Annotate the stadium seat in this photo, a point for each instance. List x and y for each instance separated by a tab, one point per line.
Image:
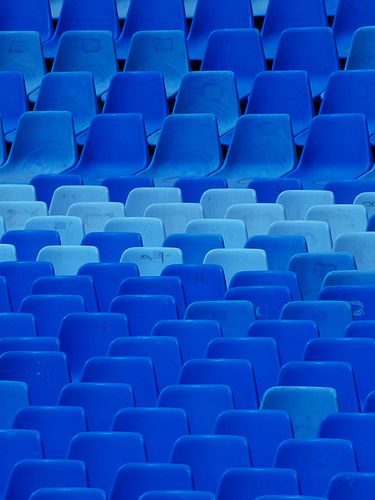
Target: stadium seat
265	278
15	213
64	196
69	421
8	252
279	249
367	200
13	396
13	100
70	229
233	232
112	245
162	51
150	229
175	216
67	259
361	52
95	215
361	329
17	325
29	344
101	401
215	202
178	495
152	260
120	187
316	233
296	203
347	191
269	189
28	243
194	246
69	494
139	199
360	245
17	192
351	485
192	188
359	297
23	16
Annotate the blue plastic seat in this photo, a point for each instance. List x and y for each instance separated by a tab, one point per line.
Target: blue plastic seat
284	92
234	316
281	15
139	199
30	475
178	495
86	335
291	336
238	374
210	456
311	269
279	249
163	352
361	52
13	100
268	278
69	494
359	297
212	15
107	278
14	214
201	402
360	329
136	371
46	420
28	243
120	187
353	277
262	146
290	497
234	236
101	401
269	189
296	203
7	252
104	453
135	479
192	188
188	147
145	15
249	483
23	16
158	307
163	51
309	49
70	229
316	461
160	427
360	245
44	143
20	277
175	216
354	485
125	151
306	406
29	344
153	259
17	325
44	372
264	431
67	259
338	375
82	16
194	246
92	51
13	397
326	156
347	191
216	202
237	50
112	245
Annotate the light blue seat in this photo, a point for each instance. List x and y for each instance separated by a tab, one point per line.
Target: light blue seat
17	192
16	213
95	215
7	252
361	52
13	100
67	259
140	198
64	196
152	260
233	232
279	249
175	216
194	246
45	184
316	233
151	229
297	202
215	202
360	245
70	229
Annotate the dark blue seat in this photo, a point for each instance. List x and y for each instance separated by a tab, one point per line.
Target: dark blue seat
13	397
237	50
210	456
44	144
371	224
104	453
17	325
210	16
327	155
44	372
57	426
86	335
135	479
201	402
158	307
25	16
194	246
279	249
316	461
164	353
120	187
29	344
136	371
101	401
13	100
291	336
309	49
261	353
354	485
107	278
178	495
192	188
249	483
5	296
359	353
160	427
264	278
361	49
312	268
45	184
268	300
30	475
238	374
337	374
264	431
346	191
360	329
112	245
358	296
69	494
268	190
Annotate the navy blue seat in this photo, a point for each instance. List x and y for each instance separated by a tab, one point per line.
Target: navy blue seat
361	49
371	224
347	191
236	373
291	336
268	300
101	401
194	246
17	324
160	427
210	456
279	249
86	335
203	403
311	269
361	329
29	344
268	190
13	100
351	277
163	352
107	278
120	187
192	188
13	397
112	245
158	307
354	485
45	184
23	16
264	278
57	426
358	296
104	453
44	372
178	495
69	494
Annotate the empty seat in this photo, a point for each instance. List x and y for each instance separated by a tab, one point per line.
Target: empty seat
8	252
95	215
64	196
161	51
331	316
70	229
268	278
296	203
279	249
44	143
112	245
17	325
192	188
360	245
178	495
152	260
215	202
139	199
354	484
45	184
150	229
329	153
175	216
69	493
309	49
16	213
13	396
347	191
316	233
361	51
21	16
233	231
28	243
306	406
101	401
359	329
120	187
92	51
69	420
194	246
17	192
269	189
359	297
366	199
115	146
29	344
13	100
67	259
202	403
